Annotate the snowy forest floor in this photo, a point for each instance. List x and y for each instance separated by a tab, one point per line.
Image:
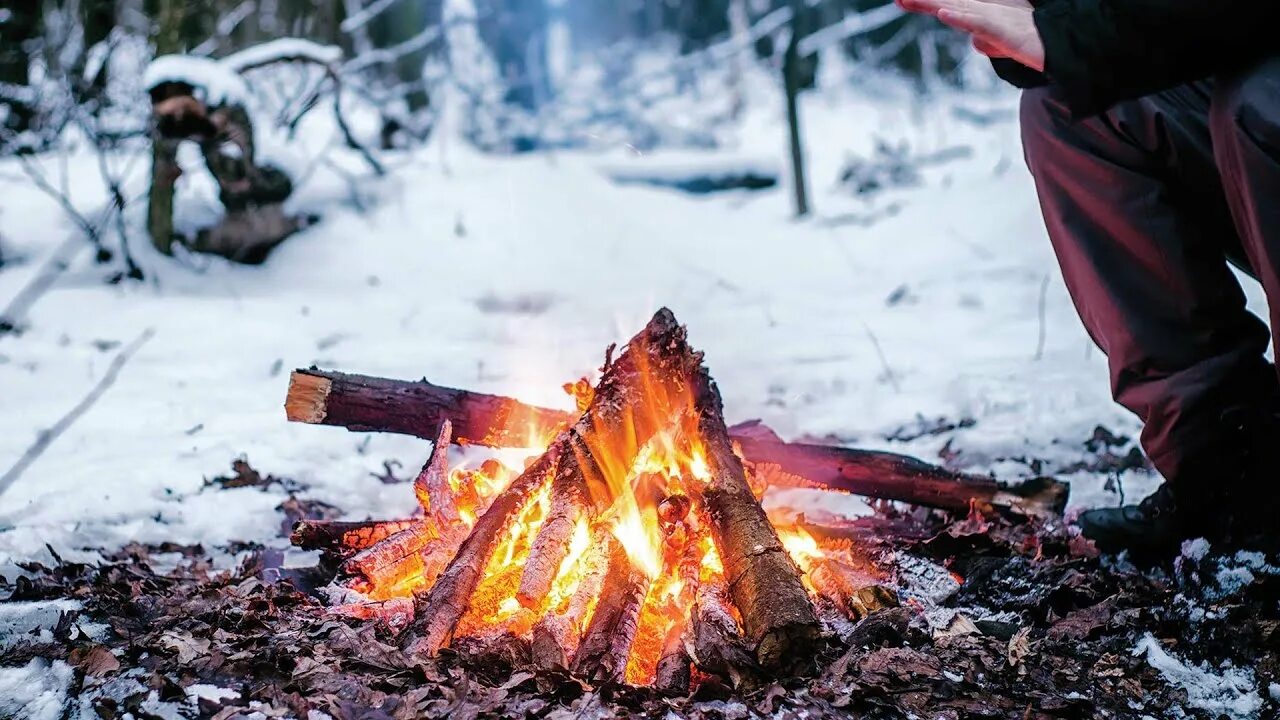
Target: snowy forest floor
929	320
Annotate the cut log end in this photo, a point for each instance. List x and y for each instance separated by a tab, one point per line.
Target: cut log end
307	397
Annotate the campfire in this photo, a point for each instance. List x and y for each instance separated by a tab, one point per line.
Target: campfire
631	546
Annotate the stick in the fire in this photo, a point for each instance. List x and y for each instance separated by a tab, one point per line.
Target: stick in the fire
432	484
556	636
606	643
359	403
765	583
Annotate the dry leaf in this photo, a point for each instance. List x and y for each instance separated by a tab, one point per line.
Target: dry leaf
1019	647
94	660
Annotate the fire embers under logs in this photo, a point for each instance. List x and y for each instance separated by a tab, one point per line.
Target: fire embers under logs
631	547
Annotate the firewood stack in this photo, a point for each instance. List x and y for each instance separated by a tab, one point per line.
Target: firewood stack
633	549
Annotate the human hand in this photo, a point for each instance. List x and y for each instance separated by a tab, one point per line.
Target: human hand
1000	28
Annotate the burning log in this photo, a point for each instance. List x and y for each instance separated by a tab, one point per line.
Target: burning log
362	403
432	484
557	635
606	643
604	442
334	535
777	617
714	636
675	667
568	505
384	561
439	611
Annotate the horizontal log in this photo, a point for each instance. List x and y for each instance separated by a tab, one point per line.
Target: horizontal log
363	403
340	535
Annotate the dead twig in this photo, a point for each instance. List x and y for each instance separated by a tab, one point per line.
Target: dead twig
46	437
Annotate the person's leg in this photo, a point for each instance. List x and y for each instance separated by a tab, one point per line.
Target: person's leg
1138	219
1245	126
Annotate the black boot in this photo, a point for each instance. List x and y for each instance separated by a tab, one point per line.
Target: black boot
1215	495
1153	527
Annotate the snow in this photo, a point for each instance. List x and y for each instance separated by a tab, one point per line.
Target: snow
217	83
1227	691
35	691
26	621
511	275
282	49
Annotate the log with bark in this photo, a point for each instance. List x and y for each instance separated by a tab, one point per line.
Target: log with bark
777	617
557	635
362	403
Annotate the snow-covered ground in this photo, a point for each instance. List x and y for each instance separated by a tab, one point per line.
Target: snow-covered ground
511	275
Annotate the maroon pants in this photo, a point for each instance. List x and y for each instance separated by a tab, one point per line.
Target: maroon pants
1145	205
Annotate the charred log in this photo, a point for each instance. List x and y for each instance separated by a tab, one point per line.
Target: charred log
333	535
432	484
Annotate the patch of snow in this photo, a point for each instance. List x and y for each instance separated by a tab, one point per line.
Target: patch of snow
215	82
212	693
1228	691
35	691
21	620
1195	550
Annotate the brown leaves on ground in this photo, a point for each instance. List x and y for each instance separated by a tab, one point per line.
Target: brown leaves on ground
1035	631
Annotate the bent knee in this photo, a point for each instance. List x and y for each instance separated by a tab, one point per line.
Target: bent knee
1248	100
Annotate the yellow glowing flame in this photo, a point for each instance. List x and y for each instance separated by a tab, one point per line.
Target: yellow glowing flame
639	534
802	546
569	574
698	465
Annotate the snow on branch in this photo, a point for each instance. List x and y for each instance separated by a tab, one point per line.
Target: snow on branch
219	83
395	52
282	50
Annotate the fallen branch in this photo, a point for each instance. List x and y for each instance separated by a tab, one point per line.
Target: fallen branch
362	403
46	437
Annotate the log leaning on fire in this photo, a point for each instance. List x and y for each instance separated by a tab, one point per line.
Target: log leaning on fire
359	403
658	355
777	617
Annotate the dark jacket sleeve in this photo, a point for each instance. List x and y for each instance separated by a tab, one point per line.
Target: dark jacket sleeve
1017	74
1100	52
